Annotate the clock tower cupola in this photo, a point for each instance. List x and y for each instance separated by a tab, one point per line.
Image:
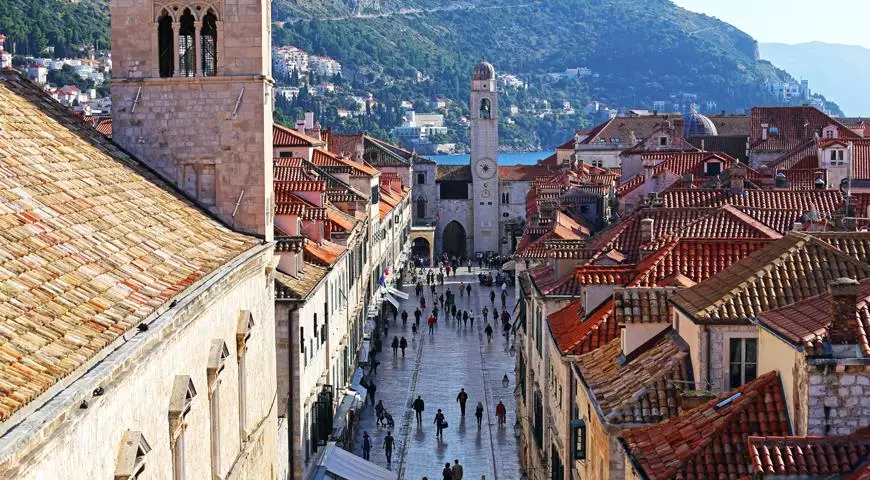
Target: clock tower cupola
484	157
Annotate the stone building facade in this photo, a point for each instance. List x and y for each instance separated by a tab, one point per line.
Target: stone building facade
192	97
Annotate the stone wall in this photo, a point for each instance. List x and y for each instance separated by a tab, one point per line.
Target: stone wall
839	401
62	440
211	136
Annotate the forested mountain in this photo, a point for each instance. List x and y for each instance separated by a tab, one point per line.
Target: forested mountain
641	50
63	27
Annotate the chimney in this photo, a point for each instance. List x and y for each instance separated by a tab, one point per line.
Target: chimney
690	399
844	311
646	230
300	126
766	179
764	131
737	176
309	120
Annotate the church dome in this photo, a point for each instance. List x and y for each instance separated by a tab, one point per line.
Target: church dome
483	71
695	125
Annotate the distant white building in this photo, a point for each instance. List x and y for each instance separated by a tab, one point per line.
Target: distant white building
324	66
5	57
286	59
419	126
288	93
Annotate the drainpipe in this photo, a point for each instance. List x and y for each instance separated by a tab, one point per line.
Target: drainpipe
708	355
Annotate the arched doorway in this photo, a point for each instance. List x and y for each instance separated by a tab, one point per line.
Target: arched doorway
453	239
421	248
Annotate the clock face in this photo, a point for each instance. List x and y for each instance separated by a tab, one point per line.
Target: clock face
486	168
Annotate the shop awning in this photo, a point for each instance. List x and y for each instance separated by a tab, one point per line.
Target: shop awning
397	293
364	348
393	300
352	399
368	327
337	463
509	265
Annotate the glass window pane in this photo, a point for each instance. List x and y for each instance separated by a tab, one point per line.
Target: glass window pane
751	350
736	352
751	371
734	379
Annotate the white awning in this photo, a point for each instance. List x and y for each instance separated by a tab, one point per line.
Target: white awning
364	351
340	464
393	300
368	327
509	265
397	293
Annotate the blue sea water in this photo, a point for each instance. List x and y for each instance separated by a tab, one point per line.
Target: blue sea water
514	158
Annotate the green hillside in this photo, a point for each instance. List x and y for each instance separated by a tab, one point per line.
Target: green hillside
642	50
40	27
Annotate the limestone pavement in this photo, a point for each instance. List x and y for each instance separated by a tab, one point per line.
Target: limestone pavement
435	367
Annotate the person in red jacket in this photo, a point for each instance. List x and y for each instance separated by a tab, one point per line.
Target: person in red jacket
431	323
500	412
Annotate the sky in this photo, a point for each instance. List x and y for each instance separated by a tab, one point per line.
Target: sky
791	21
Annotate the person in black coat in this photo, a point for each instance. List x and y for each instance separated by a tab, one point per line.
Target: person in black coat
418	407
404	317
403	344
395	346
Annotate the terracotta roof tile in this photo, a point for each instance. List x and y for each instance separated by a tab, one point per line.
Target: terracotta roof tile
826	202
709	441
643	388
827	456
323	254
577	333
516	173
332	163
288	287
642	305
91	243
453	173
788	270
806	323
287	137
794	126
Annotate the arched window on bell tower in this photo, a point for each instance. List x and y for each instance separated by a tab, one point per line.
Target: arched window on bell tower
208	47
485	109
186	47
165	45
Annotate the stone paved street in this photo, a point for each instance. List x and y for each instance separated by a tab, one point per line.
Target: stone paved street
436	367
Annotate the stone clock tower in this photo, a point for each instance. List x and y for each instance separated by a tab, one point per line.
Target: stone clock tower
484	157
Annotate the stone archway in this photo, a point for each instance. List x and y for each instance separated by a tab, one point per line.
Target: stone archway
421	248
420	235
453	239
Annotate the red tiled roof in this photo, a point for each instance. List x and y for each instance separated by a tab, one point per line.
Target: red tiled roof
794	126
643	387
828	456
577	333
618	130
806	323
326	159
793	268
803	155
518	173
642	305
323	254
826	202
709	441
105	127
287	137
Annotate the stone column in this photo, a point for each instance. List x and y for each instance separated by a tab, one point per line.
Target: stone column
197	29
176	29
155	47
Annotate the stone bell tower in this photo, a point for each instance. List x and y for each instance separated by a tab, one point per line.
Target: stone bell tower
192	98
484	157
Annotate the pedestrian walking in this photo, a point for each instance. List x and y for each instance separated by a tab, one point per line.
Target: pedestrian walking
485	312
404	317
461	289
403	344
462	398
431	322
417	315
478	412
371	389
422	303
432	289
418	407
456	470
468	264
388	447
468	290
440	423
386	330
492	296
435	312
395	313
500	412
488	331
494	314
471	318
465	318
503	299
379	410
413	330
441	300
447	270
504	288
395	346
447	473
367	445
